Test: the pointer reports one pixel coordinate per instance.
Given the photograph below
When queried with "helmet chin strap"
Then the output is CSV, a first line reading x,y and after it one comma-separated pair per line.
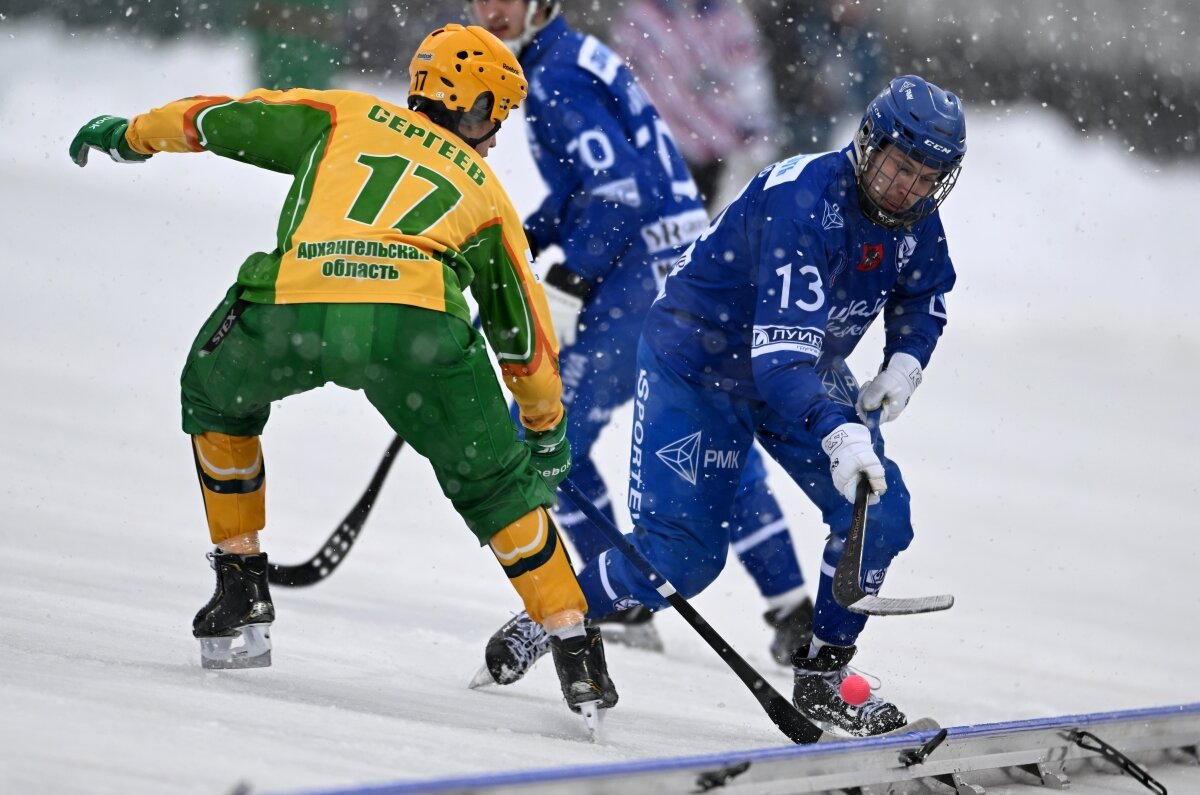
x,y
530,30
473,142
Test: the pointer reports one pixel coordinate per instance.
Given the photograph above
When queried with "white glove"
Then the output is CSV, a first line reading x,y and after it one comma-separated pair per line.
x,y
890,391
564,313
566,293
851,456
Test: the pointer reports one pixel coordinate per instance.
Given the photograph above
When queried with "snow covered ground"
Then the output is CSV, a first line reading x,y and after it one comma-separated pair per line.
x,y
1051,454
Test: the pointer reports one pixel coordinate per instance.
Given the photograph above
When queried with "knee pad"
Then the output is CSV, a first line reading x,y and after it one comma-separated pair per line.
x,y
889,524
695,573
233,482
536,563
889,532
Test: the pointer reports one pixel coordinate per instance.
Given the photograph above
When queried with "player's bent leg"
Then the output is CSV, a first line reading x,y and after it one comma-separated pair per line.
x,y
234,628
236,368
690,561
820,667
685,464
536,563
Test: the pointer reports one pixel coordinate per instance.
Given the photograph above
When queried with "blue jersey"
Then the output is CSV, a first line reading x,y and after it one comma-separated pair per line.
x,y
619,189
787,280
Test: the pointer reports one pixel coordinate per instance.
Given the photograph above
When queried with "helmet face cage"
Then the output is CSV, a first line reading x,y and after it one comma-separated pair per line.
x,y
915,131
457,66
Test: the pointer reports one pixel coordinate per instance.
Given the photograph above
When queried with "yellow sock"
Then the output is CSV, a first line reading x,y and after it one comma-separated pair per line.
x,y
233,482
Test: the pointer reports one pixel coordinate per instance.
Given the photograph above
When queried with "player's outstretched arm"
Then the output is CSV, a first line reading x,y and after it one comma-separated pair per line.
x,y
105,134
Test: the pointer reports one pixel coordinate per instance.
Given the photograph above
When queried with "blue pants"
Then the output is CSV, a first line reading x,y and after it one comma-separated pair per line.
x,y
688,456
598,377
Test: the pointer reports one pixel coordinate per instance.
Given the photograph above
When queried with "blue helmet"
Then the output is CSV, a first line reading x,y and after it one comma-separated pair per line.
x,y
924,123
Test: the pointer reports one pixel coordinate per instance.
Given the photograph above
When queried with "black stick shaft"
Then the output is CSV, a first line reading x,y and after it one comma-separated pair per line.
x,y
335,548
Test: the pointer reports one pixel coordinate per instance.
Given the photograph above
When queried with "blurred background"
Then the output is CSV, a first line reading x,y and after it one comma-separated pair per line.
x,y
1123,71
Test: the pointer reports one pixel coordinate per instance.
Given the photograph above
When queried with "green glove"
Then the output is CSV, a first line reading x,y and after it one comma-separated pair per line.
x,y
107,134
551,452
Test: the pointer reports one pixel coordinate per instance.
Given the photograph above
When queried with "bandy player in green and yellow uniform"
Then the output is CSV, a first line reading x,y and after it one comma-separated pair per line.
x,y
392,213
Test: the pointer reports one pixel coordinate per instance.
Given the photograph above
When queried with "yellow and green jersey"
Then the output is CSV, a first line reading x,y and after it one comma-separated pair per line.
x,y
384,207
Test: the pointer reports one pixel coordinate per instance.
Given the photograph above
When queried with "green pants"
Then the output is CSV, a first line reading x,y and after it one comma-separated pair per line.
x,y
426,372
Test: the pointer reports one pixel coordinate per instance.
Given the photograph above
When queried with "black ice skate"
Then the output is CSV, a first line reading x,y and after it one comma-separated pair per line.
x,y
819,699
633,628
512,651
234,628
793,629
583,675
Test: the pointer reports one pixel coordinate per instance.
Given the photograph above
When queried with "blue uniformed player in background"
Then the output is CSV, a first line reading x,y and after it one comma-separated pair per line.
x,y
622,206
748,340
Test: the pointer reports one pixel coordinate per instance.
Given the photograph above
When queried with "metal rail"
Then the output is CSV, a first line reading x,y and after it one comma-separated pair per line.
x,y
964,761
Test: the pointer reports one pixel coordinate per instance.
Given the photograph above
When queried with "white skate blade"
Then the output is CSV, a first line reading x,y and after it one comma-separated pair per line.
x,y
592,715
482,678
252,649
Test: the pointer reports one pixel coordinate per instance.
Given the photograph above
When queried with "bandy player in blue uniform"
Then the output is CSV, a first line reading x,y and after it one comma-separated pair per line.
x,y
748,340
622,206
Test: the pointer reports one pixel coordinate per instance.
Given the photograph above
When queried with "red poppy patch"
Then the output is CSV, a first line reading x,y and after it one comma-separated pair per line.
x,y
872,256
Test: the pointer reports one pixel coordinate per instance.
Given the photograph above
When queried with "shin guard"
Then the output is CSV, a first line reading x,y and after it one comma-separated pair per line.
x,y
536,563
233,482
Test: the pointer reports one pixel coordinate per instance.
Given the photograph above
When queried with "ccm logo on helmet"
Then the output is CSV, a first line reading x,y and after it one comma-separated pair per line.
x,y
937,147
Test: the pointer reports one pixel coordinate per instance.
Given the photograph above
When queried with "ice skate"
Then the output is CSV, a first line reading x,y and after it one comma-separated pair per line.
x,y
583,675
234,628
633,628
816,694
793,629
512,651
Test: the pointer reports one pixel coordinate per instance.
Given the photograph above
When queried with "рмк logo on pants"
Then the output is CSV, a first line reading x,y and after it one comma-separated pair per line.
x,y
682,456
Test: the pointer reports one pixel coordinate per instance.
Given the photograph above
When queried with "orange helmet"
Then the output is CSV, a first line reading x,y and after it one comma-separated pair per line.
x,y
465,69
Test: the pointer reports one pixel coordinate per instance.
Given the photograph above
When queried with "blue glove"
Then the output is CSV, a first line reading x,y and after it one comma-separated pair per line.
x,y
550,452
107,134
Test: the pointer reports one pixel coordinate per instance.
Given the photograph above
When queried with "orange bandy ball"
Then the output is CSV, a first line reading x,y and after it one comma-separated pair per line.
x,y
855,690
